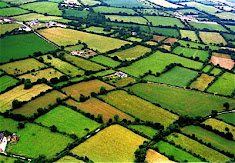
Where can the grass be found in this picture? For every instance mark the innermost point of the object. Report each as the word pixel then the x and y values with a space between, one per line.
pixel 44 7
pixel 8 27
pixel 11 11
pixel 202 7
pixel 139 108
pixel 46 73
pixel 201 83
pixel 197 45
pixel 153 156
pixel 44 101
pixel 71 123
pixel 125 3
pixel 84 64
pixel 32 135
pixel 32 16
pixel 63 66
pixel 212 27
pixel 149 131
pixel 224 85
pixel 129 19
pixel 75 13
pixel 131 53
pixel 5 125
pixel 118 81
pixel 232 28
pixel 7 159
pixel 96 107
pixel 188 52
pixel 226 15
pixel 210 137
pixel 97 30
pixel 197 104
pixel 113 144
pixel 207 68
pixel 19 1
pixel 3 4
pixel 85 88
pixel 113 10
pixel 69 159
pixel 215 71
pixel 229 36
pixel 7 81
pixel 164 21
pixel 90 2
pixel 197 148
pixel 188 34
pixel 135 39
pixel 22 66
pixel 229 118
pixel 64 37
pixel 105 61
pixel 178 154
pixel 157 62
pixel 165 31
pixel 20 94
pixel 22 45
pixel 209 37
pixel 73 48
pixel 165 3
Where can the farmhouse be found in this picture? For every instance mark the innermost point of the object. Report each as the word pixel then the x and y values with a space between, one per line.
pixel 34 23
pixel 61 25
pixel 121 74
pixel 49 24
pixel 8 20
pixel 3 143
pixel 83 53
pixel 27 29
pixel 70 4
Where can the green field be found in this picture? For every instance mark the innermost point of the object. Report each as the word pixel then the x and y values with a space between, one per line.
pixel 125 3
pixel 215 71
pixel 7 81
pixel 12 11
pixel 105 61
pixel 201 54
pixel 97 30
pixel 3 4
pixel 75 13
pixel 131 53
pixel 32 16
pixel 224 85
pixel 44 7
pixel 7 159
pixel 157 63
pixel 139 108
pixel 207 68
pixel 165 31
pixel 226 15
pixel 185 11
pixel 164 21
pixel 209 38
pixel 229 118
pixel 188 34
pixel 232 28
pixel 177 76
pixel 21 46
pixel 8 27
pixel 113 10
pixel 197 148
pixel 202 7
pixel 71 123
pixel 129 19
pixel 197 45
pixel 33 135
pixel 178 154
pixel 212 27
pixel 90 2
pixel 229 36
pixel 18 1
pixel 210 137
pixel 118 81
pixel 5 125
pixel 113 144
pixel 134 39
pixel 197 104
pixel 149 131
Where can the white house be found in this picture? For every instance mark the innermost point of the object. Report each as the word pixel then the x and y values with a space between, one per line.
pixel 27 29
pixel 121 74
pixel 3 144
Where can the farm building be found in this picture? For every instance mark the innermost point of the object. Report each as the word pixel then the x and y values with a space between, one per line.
pixel 3 143
pixel 34 23
pixel 83 53
pixel 121 74
pixel 27 29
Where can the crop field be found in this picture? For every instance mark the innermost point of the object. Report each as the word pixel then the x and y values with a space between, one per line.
pixel 32 135
pixel 210 137
pixel 129 19
pixel 105 61
pixel 149 131
pixel 22 66
pixel 178 154
pixel 151 43
pixel 164 21
pixel 201 54
pixel 71 123
pixel 153 156
pixel 177 76
pixel 113 10
pixel 209 37
pixel 12 11
pixel 174 99
pixel 202 7
pixel 64 37
pixel 188 34
pixel 86 88
pixel 170 40
pixel 97 30
pixel 22 46
pixel 157 63
pixel 8 27
pixel 201 83
pixel 197 148
pixel 197 45
pixel 90 2
pixel 46 73
pixel 166 47
pixel 7 81
pixel 223 60
pixel 63 66
pixel 134 106
pixel 44 101
pixel 224 85
pixel 165 3
pixel 131 53
pixel 5 124
pixel 220 125
pixel 31 16
pixel 96 107
pixel 158 38
pixel 215 71
pixel 165 31
pixel 213 27
pixel 84 64
pixel 119 145
pixel 44 7
pixel 125 3
pixel 228 118
pixel 75 13
pixel 18 1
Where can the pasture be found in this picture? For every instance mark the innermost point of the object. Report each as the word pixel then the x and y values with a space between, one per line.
pixel 149 131
pixel 7 81
pixel 43 102
pixel 177 76
pixel 215 71
pixel 97 30
pixel 164 21
pixel 201 7
pixel 207 68
pixel 128 19
pixel 69 159
pixel 117 81
pixel 226 15
pixel 75 13
pixel 174 99
pixel 212 26
pixel 113 144
pixel 105 61
pixel 197 45
pixel 197 148
pixel 201 83
pixel 8 28
pixel 32 16
pixel 165 31
pixel 11 11
pixel 188 34
pixel 131 53
pixel 32 135
pixel 73 48
pixel 153 156
pixel 113 10
pixel 232 28
pixel 209 38
pixel 19 1
pixel 3 4
pixel 139 108
pixel 71 123
pixel 22 45
pixel 5 124
pixel 7 159
pixel 224 85
pixel 125 3
pixel 90 2
pixel 64 37
pixel 96 107
pixel 228 118
pixel 134 39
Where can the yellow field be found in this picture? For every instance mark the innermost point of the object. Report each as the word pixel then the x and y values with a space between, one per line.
pixel 32 16
pixel 153 156
pixel 202 82
pixel 21 94
pixel 113 144
pixel 165 3
pixel 8 27
pixel 212 37
pixel 69 159
pixel 64 37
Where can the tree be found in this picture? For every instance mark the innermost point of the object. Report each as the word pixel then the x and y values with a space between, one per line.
pixel 53 128
pixel 102 91
pixel 214 113
pixel 16 104
pixel 116 117
pixel 27 84
pixel 21 126
pixel 226 105
pixel 100 118
pixel 83 98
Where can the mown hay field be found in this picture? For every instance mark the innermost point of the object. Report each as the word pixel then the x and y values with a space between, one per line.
pixel 128 19
pixel 11 11
pixel 7 81
pixel 165 3
pixel 90 2
pixel 113 144
pixel 164 21
pixel 40 17
pixel 209 37
pixel 97 30
pixel 201 83
pixel 190 34
pixel 105 61
pixel 121 3
pixel 153 156
pixel 212 27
